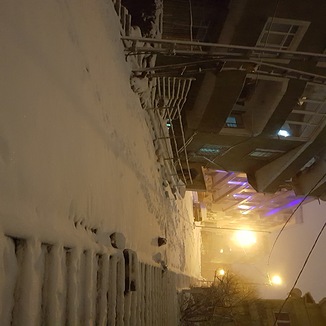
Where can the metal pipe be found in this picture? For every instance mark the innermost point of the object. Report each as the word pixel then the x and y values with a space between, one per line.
pixel 225 46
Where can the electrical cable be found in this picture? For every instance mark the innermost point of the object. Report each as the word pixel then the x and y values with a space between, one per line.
pixel 214 163
pixel 301 271
pixel 191 20
pixel 289 218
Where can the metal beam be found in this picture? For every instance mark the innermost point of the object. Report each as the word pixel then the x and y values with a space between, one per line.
pixel 301 123
pixel 251 51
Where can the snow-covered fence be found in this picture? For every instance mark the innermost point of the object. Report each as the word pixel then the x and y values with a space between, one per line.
pixel 124 16
pixel 47 284
pixel 44 284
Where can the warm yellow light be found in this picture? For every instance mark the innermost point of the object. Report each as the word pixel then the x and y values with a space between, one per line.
pixel 244 206
pixel 245 238
pixel 276 280
pixel 221 272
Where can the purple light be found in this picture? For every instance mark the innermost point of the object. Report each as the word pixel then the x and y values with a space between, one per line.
pixel 240 183
pixel 242 196
pixel 220 171
pixel 288 205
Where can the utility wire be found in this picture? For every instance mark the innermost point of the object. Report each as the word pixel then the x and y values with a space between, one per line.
pixel 289 218
pixel 301 271
pixel 191 20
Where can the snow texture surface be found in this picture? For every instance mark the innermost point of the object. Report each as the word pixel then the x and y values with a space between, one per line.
pixel 77 160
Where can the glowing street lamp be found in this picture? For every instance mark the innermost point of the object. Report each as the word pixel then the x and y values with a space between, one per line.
pixel 276 280
pixel 221 272
pixel 245 238
pixel 283 133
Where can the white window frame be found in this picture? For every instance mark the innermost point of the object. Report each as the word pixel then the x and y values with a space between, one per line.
pixel 283 322
pixel 212 150
pixel 313 117
pixel 297 35
pixel 265 153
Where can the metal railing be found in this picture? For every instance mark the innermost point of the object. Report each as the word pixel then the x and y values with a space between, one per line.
pixel 167 97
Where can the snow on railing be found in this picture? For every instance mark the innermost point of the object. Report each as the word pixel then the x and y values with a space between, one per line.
pixel 168 96
pixel 163 98
pixel 124 16
pixel 51 284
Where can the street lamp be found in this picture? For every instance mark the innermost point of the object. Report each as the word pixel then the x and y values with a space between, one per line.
pixel 221 272
pixel 276 280
pixel 245 238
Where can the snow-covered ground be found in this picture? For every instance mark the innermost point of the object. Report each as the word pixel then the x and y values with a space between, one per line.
pixel 77 160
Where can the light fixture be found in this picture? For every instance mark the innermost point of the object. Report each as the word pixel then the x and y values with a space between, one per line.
pixel 285 130
pixel 283 133
pixel 245 238
pixel 276 280
pixel 301 100
pixel 221 272
pixel 244 206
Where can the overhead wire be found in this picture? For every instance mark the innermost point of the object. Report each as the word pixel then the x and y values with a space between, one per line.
pixel 290 217
pixel 306 196
pixel 191 20
pixel 300 272
pixel 310 252
pixel 294 211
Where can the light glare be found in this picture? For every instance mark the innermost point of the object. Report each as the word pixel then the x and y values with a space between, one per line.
pixel 221 272
pixel 244 206
pixel 245 238
pixel 283 133
pixel 276 280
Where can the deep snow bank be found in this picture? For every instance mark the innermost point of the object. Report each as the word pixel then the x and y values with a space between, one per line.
pixel 75 151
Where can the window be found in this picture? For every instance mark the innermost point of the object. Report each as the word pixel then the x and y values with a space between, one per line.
pixel 211 150
pixel 262 153
pixel 231 122
pixel 282 34
pixel 322 64
pixel 283 319
pixel 247 91
pixel 309 113
pixel 234 120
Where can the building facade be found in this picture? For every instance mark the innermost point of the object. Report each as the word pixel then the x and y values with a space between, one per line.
pixel 258 102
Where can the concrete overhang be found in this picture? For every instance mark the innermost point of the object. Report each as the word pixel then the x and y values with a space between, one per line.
pixel 289 100
pixel 312 180
pixel 271 176
pixel 215 100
